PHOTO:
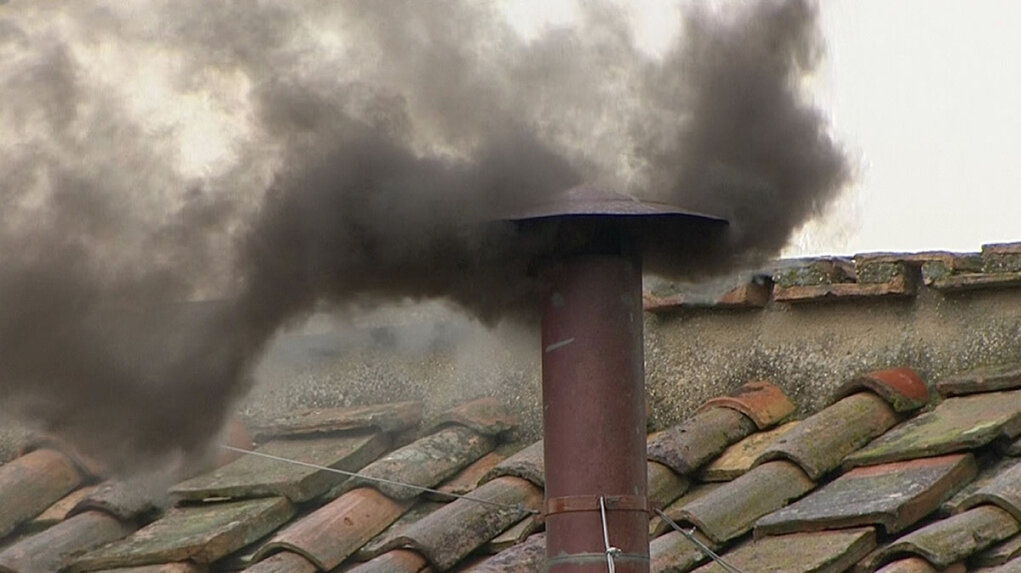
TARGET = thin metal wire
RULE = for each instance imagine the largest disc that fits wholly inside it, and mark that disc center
(611, 551)
(517, 507)
(698, 543)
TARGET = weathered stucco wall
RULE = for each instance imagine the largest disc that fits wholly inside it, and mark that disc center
(692, 354)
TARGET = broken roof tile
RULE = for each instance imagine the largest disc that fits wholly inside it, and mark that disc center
(1000, 553)
(485, 416)
(763, 402)
(31, 483)
(665, 485)
(330, 534)
(819, 443)
(954, 539)
(390, 418)
(894, 495)
(984, 379)
(1003, 491)
(379, 544)
(396, 561)
(283, 562)
(48, 550)
(425, 462)
(252, 476)
(673, 551)
(730, 510)
(956, 424)
(902, 387)
(821, 552)
(450, 533)
(740, 457)
(201, 533)
(467, 479)
(528, 556)
(527, 463)
(686, 447)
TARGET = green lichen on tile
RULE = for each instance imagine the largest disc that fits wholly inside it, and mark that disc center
(1002, 263)
(821, 272)
(880, 272)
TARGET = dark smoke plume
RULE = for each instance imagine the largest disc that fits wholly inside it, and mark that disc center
(355, 152)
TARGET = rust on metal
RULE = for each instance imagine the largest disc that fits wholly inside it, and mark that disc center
(762, 401)
(596, 303)
(902, 387)
(570, 503)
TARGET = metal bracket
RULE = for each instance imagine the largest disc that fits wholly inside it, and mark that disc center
(573, 503)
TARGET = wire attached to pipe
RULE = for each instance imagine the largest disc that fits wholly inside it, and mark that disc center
(518, 507)
(690, 535)
(611, 551)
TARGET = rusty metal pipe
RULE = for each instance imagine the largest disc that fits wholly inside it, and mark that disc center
(594, 413)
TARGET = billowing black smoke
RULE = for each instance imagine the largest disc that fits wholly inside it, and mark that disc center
(361, 150)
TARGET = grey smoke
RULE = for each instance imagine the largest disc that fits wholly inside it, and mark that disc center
(373, 145)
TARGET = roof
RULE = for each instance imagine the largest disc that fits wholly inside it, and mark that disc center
(893, 475)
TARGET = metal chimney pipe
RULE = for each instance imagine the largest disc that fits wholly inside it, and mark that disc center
(594, 415)
(593, 378)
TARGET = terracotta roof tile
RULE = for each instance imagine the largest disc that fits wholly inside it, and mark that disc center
(485, 416)
(1010, 446)
(665, 485)
(526, 557)
(835, 279)
(740, 457)
(918, 565)
(124, 500)
(469, 478)
(753, 292)
(396, 561)
(283, 562)
(89, 466)
(526, 464)
(763, 402)
(390, 418)
(730, 510)
(675, 552)
(822, 552)
(974, 281)
(956, 424)
(989, 468)
(686, 447)
(60, 510)
(48, 550)
(1001, 257)
(894, 495)
(1012, 566)
(819, 443)
(256, 476)
(657, 526)
(1003, 491)
(1000, 553)
(202, 533)
(985, 379)
(956, 538)
(330, 534)
(514, 534)
(902, 388)
(450, 533)
(814, 272)
(425, 462)
(182, 567)
(31, 483)
(382, 542)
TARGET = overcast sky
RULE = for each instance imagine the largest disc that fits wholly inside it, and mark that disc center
(926, 95)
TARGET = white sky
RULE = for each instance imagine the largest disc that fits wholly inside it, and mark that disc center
(926, 96)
